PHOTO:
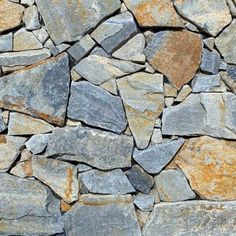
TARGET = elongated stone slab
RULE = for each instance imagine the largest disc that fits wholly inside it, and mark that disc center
(35, 91)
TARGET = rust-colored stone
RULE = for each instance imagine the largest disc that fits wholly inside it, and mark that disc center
(65, 206)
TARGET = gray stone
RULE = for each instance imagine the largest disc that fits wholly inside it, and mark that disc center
(24, 58)
(139, 179)
(223, 65)
(27, 2)
(229, 81)
(232, 7)
(113, 182)
(68, 21)
(31, 18)
(6, 43)
(157, 156)
(210, 62)
(169, 101)
(59, 48)
(102, 215)
(96, 107)
(191, 27)
(110, 86)
(41, 34)
(144, 202)
(35, 90)
(98, 70)
(2, 123)
(37, 143)
(115, 31)
(209, 15)
(83, 167)
(183, 93)
(231, 70)
(173, 186)
(157, 135)
(209, 43)
(192, 218)
(103, 150)
(99, 51)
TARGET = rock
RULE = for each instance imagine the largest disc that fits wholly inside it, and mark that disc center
(102, 150)
(10, 15)
(96, 107)
(202, 114)
(232, 7)
(210, 173)
(35, 91)
(156, 136)
(24, 58)
(143, 98)
(169, 180)
(169, 101)
(83, 167)
(192, 218)
(60, 176)
(209, 43)
(31, 18)
(223, 65)
(2, 122)
(9, 69)
(231, 70)
(156, 157)
(81, 48)
(191, 27)
(9, 150)
(24, 40)
(112, 182)
(6, 43)
(211, 16)
(139, 179)
(59, 49)
(102, 215)
(142, 217)
(98, 70)
(74, 75)
(99, 51)
(183, 93)
(37, 143)
(154, 13)
(210, 62)
(110, 86)
(133, 50)
(20, 124)
(27, 2)
(41, 34)
(144, 202)
(113, 32)
(225, 43)
(169, 90)
(187, 48)
(68, 21)
(155, 195)
(229, 81)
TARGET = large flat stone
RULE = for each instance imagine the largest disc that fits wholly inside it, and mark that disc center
(35, 91)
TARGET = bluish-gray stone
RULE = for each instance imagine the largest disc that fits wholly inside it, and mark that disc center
(144, 202)
(6, 42)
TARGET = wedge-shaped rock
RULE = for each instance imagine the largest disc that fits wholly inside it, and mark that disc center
(210, 166)
(102, 215)
(153, 13)
(176, 54)
(35, 91)
(97, 107)
(20, 124)
(209, 15)
(98, 69)
(9, 150)
(69, 20)
(60, 176)
(113, 32)
(192, 218)
(2, 123)
(103, 150)
(37, 143)
(143, 97)
(229, 81)
(157, 156)
(202, 114)
(112, 182)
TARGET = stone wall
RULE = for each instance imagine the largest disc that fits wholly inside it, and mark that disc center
(118, 118)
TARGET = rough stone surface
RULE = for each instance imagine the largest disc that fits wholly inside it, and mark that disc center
(192, 218)
(2, 123)
(144, 202)
(186, 48)
(157, 156)
(37, 143)
(41, 34)
(143, 98)
(183, 93)
(102, 215)
(229, 81)
(31, 18)
(95, 106)
(210, 166)
(6, 42)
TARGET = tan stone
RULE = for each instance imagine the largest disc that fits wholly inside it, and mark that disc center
(210, 166)
(65, 206)
(183, 93)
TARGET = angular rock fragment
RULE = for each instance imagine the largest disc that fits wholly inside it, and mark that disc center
(31, 18)
(99, 51)
(110, 86)
(209, 15)
(98, 69)
(176, 54)
(27, 2)
(20, 124)
(103, 150)
(113, 182)
(229, 81)
(144, 202)
(169, 90)
(142, 95)
(156, 157)
(35, 91)
(183, 93)
(192, 217)
(115, 31)
(68, 21)
(37, 143)
(6, 42)
(210, 166)
(2, 123)
(102, 215)
(95, 106)
(209, 43)
(41, 34)
(157, 135)
(154, 13)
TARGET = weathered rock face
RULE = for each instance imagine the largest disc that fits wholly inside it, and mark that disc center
(192, 218)
(176, 54)
(68, 21)
(210, 166)
(102, 215)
